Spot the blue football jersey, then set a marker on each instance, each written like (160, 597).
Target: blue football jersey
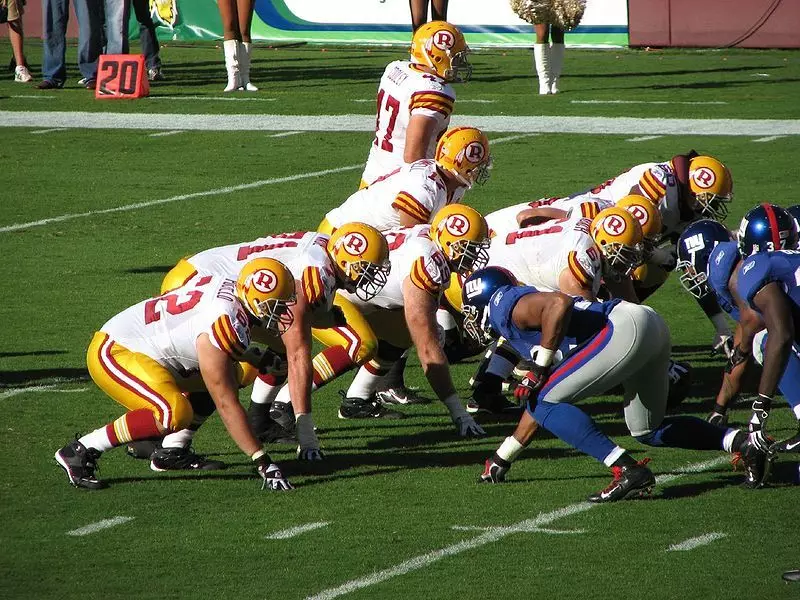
(763, 268)
(588, 319)
(721, 262)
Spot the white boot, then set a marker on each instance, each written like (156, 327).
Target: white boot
(231, 48)
(541, 58)
(556, 63)
(244, 66)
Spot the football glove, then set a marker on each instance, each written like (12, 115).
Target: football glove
(718, 419)
(494, 470)
(467, 427)
(530, 385)
(723, 344)
(310, 454)
(272, 475)
(266, 361)
(757, 433)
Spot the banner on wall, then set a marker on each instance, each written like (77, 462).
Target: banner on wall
(485, 23)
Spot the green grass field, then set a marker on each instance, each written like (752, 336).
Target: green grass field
(390, 493)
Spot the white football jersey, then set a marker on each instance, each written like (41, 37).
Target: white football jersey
(166, 328)
(404, 91)
(538, 255)
(416, 189)
(304, 254)
(413, 255)
(505, 220)
(655, 181)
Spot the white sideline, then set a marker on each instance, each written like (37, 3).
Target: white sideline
(285, 134)
(770, 138)
(44, 131)
(165, 133)
(293, 531)
(215, 192)
(645, 102)
(366, 122)
(644, 138)
(694, 542)
(212, 98)
(493, 535)
(38, 388)
(100, 525)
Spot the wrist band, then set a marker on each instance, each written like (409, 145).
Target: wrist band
(544, 357)
(258, 454)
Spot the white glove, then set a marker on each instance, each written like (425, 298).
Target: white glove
(723, 343)
(467, 427)
(272, 477)
(309, 443)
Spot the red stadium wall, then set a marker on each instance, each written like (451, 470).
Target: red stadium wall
(715, 23)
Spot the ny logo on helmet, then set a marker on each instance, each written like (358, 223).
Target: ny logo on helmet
(443, 39)
(457, 225)
(355, 244)
(704, 178)
(473, 287)
(475, 152)
(264, 281)
(614, 225)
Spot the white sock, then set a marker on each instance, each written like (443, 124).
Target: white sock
(556, 64)
(179, 439)
(97, 439)
(541, 58)
(364, 384)
(613, 456)
(264, 393)
(727, 440)
(510, 449)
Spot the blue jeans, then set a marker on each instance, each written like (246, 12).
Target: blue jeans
(117, 14)
(55, 14)
(147, 34)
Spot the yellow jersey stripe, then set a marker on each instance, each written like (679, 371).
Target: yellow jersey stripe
(421, 279)
(577, 270)
(405, 202)
(312, 285)
(231, 333)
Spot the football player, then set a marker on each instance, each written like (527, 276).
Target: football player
(415, 99)
(354, 258)
(615, 343)
(404, 312)
(153, 355)
(570, 256)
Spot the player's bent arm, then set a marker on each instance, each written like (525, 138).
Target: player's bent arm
(732, 377)
(419, 133)
(406, 220)
(216, 368)
(297, 340)
(569, 284)
(774, 306)
(622, 288)
(534, 216)
(549, 312)
(420, 313)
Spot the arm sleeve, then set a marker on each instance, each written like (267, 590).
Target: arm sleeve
(230, 335)
(755, 274)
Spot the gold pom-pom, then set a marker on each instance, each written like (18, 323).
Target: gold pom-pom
(565, 14)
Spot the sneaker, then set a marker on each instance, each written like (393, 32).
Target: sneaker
(80, 464)
(182, 459)
(283, 414)
(89, 83)
(632, 480)
(492, 403)
(400, 395)
(22, 75)
(791, 444)
(756, 465)
(142, 449)
(48, 84)
(155, 74)
(359, 408)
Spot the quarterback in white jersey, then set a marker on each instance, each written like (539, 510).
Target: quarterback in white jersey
(524, 214)
(166, 357)
(415, 99)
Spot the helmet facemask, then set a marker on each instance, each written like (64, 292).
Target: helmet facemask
(466, 256)
(275, 315)
(693, 281)
(711, 205)
(475, 323)
(460, 70)
(366, 279)
(621, 258)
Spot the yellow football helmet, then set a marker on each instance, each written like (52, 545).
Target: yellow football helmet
(266, 288)
(441, 46)
(361, 255)
(649, 218)
(462, 235)
(464, 153)
(712, 185)
(619, 236)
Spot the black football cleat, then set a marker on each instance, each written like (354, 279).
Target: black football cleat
(283, 414)
(142, 449)
(400, 395)
(80, 464)
(359, 408)
(629, 481)
(491, 402)
(265, 428)
(182, 459)
(756, 465)
(792, 575)
(789, 445)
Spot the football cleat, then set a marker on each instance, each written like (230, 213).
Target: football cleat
(632, 480)
(791, 444)
(80, 464)
(400, 395)
(265, 428)
(142, 449)
(494, 470)
(360, 408)
(283, 414)
(492, 403)
(792, 575)
(182, 459)
(756, 465)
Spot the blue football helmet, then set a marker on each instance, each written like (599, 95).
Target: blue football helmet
(766, 227)
(694, 249)
(476, 294)
(795, 212)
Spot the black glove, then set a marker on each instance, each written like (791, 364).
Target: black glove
(533, 381)
(272, 475)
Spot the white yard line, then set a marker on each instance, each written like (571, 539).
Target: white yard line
(770, 138)
(644, 102)
(213, 98)
(511, 138)
(38, 388)
(492, 535)
(32, 97)
(100, 525)
(44, 131)
(531, 530)
(293, 531)
(695, 542)
(644, 138)
(214, 192)
(366, 123)
(166, 133)
(464, 101)
(285, 134)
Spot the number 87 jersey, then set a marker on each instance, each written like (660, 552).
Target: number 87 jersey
(405, 91)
